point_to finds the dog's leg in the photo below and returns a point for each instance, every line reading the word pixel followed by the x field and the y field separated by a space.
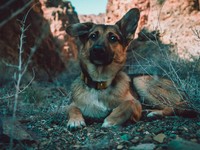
pixel 76 119
pixel 130 109
pixel 167 111
pixel 171 111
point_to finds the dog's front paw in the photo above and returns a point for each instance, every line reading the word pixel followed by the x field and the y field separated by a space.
pixel 74 124
pixel 107 124
pixel 155 114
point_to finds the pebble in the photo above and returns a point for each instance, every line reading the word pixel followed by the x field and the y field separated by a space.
pixel 126 137
pixel 135 140
pixel 50 129
pixel 182 128
pixel 194 140
pixel 158 130
pixel 140 129
pixel 146 132
pixel 120 146
pixel 147 139
pixel 173 136
pixel 159 138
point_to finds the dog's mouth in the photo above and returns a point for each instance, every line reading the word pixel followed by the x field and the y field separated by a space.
pixel 100 56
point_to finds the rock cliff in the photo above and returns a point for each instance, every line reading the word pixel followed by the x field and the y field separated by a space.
pixel 177 21
pixel 47 21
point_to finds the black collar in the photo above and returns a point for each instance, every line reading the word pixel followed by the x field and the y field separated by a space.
pixel 98 85
pixel 94 84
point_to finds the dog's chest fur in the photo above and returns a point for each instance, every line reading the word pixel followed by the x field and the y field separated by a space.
pixel 89 100
pixel 99 103
pixel 93 107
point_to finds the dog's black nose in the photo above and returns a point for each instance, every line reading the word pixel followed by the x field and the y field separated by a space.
pixel 99 55
pixel 99 49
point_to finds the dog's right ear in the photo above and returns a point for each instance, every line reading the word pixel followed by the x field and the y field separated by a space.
pixel 79 29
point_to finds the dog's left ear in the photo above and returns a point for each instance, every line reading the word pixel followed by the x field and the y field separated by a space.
pixel 79 29
pixel 128 23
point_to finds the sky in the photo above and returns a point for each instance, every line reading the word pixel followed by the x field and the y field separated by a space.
pixel 89 6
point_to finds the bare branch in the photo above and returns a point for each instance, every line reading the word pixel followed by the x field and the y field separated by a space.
pixel 21 90
pixel 10 65
pixel 15 13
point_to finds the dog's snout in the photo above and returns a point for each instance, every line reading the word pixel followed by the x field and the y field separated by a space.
pixel 98 49
pixel 99 55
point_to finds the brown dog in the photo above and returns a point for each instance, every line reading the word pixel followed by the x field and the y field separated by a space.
pixel 102 90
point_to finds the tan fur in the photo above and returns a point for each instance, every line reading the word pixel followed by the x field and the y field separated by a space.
pixel 162 96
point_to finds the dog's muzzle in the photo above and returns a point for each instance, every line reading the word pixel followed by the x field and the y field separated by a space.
pixel 99 55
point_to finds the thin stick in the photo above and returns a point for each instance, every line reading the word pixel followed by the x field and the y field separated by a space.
pixel 21 68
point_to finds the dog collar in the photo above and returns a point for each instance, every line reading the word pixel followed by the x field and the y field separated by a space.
pixel 93 84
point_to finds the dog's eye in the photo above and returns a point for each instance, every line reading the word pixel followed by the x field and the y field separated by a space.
pixel 113 38
pixel 93 36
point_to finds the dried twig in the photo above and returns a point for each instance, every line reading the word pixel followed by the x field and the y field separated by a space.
pixel 21 68
pixel 15 13
pixel 21 90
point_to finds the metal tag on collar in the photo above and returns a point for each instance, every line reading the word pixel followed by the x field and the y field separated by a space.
pixel 101 85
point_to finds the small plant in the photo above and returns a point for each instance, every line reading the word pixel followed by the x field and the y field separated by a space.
pixel 21 67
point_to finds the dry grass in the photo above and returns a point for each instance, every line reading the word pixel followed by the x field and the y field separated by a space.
pixel 153 57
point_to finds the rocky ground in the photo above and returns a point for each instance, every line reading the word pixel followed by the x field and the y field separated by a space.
pixel 43 126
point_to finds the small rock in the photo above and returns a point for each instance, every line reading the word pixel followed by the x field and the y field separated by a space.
pixel 194 140
pixel 126 137
pixel 140 129
pixel 158 130
pixel 173 136
pixel 159 138
pixel 146 132
pixel 147 139
pixel 147 146
pixel 120 146
pixel 50 129
pixel 182 128
pixel 135 140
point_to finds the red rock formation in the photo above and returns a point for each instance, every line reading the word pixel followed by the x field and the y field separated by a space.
pixel 99 19
pixel 50 36
pixel 59 14
pixel 117 8
pixel 175 20
pixel 46 55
